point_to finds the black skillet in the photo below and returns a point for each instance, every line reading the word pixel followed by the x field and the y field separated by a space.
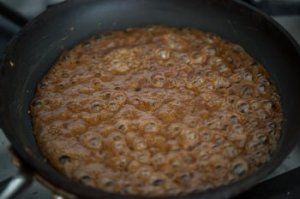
pixel 36 47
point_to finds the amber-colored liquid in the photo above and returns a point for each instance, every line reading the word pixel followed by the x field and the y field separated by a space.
pixel 156 111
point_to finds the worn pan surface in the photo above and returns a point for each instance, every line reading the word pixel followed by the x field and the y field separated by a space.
pixel 37 46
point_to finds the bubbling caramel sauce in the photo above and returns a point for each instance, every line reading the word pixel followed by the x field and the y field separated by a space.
pixel 156 111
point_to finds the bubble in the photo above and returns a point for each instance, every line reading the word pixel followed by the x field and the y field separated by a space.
pixel 77 127
pixel 174 130
pixel 263 80
pixel 96 106
pixel 205 135
pixel 113 106
pixel 144 172
pixel 173 145
pixel 120 162
pixel 188 139
pixel 243 107
pixel 36 103
pixel 236 78
pixel 229 59
pixel 247 91
pixel 237 134
pixel 239 168
pixel 157 142
pixel 261 114
pixel 220 170
pixel 198 58
pixel 139 144
pixel 174 160
pixel 117 88
pixel 130 136
pixel 219 139
pixel 238 129
pixel 158 182
pixel 158 80
pixel 261 88
pixel 230 151
pixel 91 118
pixel 232 99
pixel 205 186
pixel 155 104
pixel 106 95
pixel 184 178
pixel 184 58
pixel 116 136
pixel 255 145
pixel 222 67
pixel 74 107
pixel 191 121
pixel 222 82
pixel 43 85
pixel 261 137
pixel 268 106
pixel 204 148
pixel 95 143
pixel 123 125
pixel 211 51
pixel 106 76
pixel 118 67
pixel 215 60
pixel 76 79
pixel 135 100
pixel 133 166
pixel 254 64
pixel 255 105
pixel 195 82
pixel 97 84
pixel 142 156
pixel 164 54
pixel 212 36
pixel 151 127
pixel 234 119
pixel 271 126
pixel 119 97
pixel 191 136
pixel 85 180
pixel 105 115
pixel 158 159
pixel 248 76
pixel 128 189
pixel 91 140
pixel 238 48
pixel 119 146
pixel 138 89
pixel 258 141
pixel 107 182
pixel 64 159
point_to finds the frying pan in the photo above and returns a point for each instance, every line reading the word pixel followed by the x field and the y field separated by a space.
pixel 36 47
